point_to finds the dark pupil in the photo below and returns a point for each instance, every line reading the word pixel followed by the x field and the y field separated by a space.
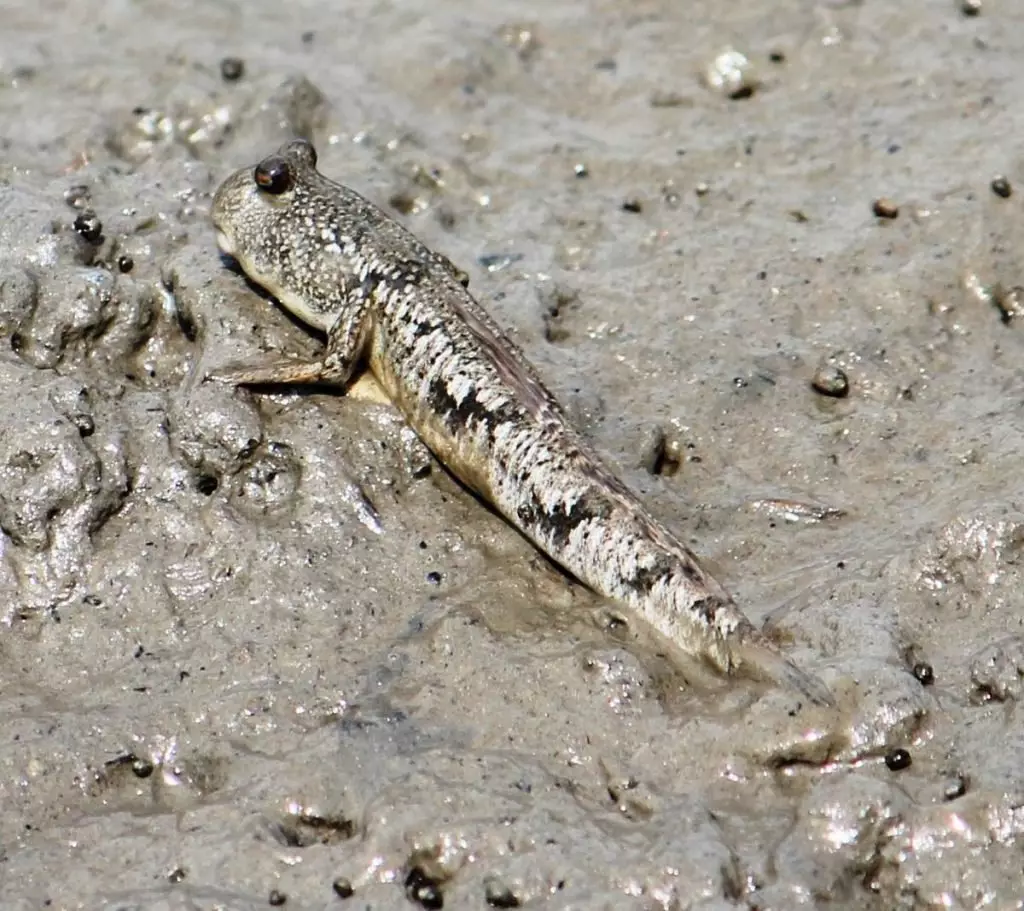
pixel 273 176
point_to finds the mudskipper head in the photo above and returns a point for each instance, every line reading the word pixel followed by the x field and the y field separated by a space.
pixel 278 222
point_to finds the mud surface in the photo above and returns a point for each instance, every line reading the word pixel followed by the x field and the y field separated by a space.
pixel 227 680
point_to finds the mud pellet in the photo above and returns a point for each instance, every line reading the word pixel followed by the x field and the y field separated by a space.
pixel 342 887
pixel 883 207
pixel 632 205
pixel 1001 187
pixel 276 899
pixel 970 7
pixel 142 768
pixel 955 788
pixel 89 227
pixel 581 170
pixel 831 381
pixel 125 263
pixel 898 759
pixel 77 196
pixel 232 69
pixel 924 673
pixel 731 74
pixel 1009 302
pixel 421 889
pixel 498 895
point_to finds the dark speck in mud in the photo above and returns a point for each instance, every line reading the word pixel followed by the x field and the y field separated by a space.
pixel 1001 187
pixel 125 263
pixel 434 577
pixel 423 890
pixel 924 673
pixel 232 69
pixel 898 759
pixel 276 899
pixel 831 381
pixel 342 887
pixel 632 205
pixel 498 895
pixel 207 484
pixel 89 227
pixel 142 768
pixel 883 207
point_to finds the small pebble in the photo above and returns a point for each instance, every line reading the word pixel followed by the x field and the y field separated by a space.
pixel 924 673
pixel 885 208
pixel 434 577
pixel 276 899
pixel 77 196
pixel 955 788
pixel 731 74
pixel 897 760
pixel 632 205
pixel 1008 301
pixel 232 69
pixel 581 170
pixel 89 227
pixel 142 768
pixel 342 887
pixel 970 7
pixel 125 263
pixel 1001 187
pixel 421 889
pixel 498 895
pixel 831 381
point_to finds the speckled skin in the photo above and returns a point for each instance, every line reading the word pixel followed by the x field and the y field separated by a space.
pixel 345 267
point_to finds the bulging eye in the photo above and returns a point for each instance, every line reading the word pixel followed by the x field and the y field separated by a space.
pixel 274 175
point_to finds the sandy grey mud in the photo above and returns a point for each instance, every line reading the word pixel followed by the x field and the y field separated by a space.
pixel 217 680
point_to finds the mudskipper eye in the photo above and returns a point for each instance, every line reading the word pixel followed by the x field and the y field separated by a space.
pixel 274 175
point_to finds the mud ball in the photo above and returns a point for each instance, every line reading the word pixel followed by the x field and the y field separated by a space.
pixel 232 69
pixel 343 887
pixel 1001 187
pixel 831 381
pixel 421 889
pixel 924 673
pixel 897 760
pixel 89 227
pixel 885 208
